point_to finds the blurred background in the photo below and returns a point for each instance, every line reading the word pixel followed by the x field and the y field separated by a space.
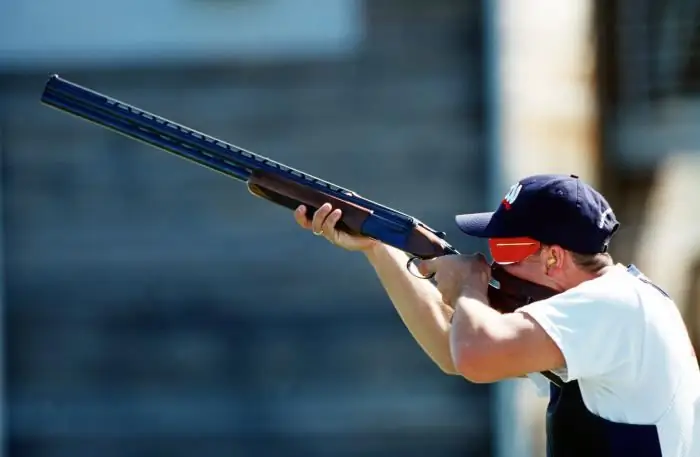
pixel 154 308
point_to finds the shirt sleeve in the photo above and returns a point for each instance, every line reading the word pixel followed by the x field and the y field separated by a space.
pixel 595 331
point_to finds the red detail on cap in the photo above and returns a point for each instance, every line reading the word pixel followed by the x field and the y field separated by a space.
pixel 506 204
pixel 512 250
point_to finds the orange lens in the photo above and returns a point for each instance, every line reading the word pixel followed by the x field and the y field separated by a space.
pixel 512 250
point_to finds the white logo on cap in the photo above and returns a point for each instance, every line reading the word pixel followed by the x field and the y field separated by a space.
pixel 603 217
pixel 512 194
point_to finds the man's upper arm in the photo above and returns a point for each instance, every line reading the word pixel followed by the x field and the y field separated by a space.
pixel 520 347
pixel 592 331
pixel 575 334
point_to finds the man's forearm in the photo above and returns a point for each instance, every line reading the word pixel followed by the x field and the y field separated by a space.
pixel 418 303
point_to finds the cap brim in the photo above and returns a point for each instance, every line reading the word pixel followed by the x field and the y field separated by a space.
pixel 477 224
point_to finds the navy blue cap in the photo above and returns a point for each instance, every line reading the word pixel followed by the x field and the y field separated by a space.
pixel 552 209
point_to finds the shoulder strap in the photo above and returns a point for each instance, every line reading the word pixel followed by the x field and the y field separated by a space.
pixel 636 272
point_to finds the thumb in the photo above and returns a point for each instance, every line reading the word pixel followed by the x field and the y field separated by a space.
pixel 426 267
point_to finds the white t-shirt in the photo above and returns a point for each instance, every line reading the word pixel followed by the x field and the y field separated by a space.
pixel 628 347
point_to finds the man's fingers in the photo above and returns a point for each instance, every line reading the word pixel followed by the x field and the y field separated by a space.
pixel 329 224
pixel 431 266
pixel 320 217
pixel 323 220
pixel 426 267
pixel 481 258
pixel 300 217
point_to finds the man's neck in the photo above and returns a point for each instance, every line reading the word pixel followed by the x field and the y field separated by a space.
pixel 584 276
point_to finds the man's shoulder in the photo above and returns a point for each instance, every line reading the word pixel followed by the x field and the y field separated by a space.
pixel 598 305
pixel 628 287
pixel 616 288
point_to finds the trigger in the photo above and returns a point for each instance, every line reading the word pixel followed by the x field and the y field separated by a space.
pixel 413 268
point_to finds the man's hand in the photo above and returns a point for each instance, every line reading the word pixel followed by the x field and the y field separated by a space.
pixel 459 275
pixel 323 224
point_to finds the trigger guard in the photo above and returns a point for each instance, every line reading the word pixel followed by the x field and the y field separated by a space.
pixel 410 267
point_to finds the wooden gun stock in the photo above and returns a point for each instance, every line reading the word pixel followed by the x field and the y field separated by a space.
pixel 420 242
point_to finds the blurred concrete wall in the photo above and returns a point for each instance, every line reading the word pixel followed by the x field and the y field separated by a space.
pixel 549 124
pixel 156 308
pixel 649 70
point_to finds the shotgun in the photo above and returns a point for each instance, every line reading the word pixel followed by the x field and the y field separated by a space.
pixel 265 178
pixel 283 185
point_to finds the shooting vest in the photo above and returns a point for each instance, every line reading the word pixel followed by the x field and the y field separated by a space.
pixel 573 431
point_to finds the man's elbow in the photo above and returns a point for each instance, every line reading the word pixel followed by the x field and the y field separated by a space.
pixel 475 365
pixel 449 370
pixel 447 367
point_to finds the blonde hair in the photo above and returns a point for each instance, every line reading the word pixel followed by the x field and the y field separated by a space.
pixel 592 263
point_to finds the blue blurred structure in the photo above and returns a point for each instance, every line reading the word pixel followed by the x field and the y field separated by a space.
pixel 154 308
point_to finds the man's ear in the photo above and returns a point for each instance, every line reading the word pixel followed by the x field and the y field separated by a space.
pixel 554 257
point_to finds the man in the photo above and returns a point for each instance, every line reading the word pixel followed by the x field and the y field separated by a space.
pixel 627 381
